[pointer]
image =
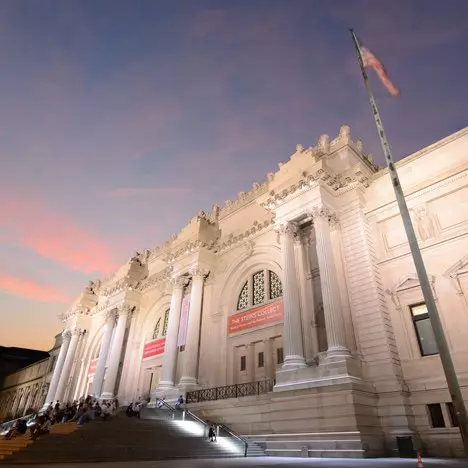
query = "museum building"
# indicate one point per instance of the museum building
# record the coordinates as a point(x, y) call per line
point(293, 314)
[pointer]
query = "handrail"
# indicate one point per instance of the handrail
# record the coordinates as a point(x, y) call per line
point(237, 436)
point(5, 427)
point(167, 405)
point(206, 424)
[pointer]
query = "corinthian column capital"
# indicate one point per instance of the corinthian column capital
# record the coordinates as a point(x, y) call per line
point(66, 335)
point(323, 212)
point(125, 309)
point(111, 315)
point(179, 282)
point(287, 229)
point(198, 272)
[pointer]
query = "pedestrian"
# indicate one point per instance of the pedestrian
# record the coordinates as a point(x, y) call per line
point(212, 433)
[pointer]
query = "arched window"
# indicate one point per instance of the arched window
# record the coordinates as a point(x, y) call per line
point(166, 322)
point(157, 332)
point(156, 329)
point(263, 286)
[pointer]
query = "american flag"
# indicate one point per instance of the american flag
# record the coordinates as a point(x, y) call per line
point(370, 60)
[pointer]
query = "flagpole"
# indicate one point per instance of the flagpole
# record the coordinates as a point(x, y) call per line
point(444, 352)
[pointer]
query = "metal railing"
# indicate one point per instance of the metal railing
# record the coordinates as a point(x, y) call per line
point(231, 391)
point(7, 425)
point(186, 412)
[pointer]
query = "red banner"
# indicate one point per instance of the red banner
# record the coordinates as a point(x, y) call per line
point(92, 366)
point(263, 315)
point(154, 348)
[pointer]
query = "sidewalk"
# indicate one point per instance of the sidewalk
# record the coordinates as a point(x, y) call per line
point(273, 462)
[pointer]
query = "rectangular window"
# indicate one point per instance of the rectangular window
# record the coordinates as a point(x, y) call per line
point(435, 415)
point(423, 329)
point(453, 414)
point(261, 359)
point(279, 355)
point(243, 363)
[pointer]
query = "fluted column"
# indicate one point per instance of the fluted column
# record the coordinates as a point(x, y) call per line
point(334, 323)
point(293, 344)
point(67, 365)
point(189, 371)
point(170, 346)
point(115, 353)
point(269, 362)
point(98, 378)
point(66, 336)
point(251, 362)
point(304, 274)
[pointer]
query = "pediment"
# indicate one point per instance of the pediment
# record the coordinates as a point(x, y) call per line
point(459, 269)
point(409, 282)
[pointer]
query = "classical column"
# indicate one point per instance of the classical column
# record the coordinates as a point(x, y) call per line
point(66, 336)
point(269, 362)
point(293, 346)
point(189, 371)
point(334, 323)
point(309, 330)
point(108, 388)
point(251, 362)
point(67, 365)
point(170, 347)
point(98, 378)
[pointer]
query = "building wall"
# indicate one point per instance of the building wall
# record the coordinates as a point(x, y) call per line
point(387, 382)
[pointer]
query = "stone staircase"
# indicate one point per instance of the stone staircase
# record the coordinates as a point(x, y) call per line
point(314, 445)
point(12, 446)
point(125, 439)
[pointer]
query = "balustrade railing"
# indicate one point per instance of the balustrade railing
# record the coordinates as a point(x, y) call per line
point(231, 391)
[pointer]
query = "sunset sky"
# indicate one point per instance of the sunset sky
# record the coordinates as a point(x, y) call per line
point(119, 120)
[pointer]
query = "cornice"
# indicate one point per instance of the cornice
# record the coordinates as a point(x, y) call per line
point(336, 182)
point(155, 280)
point(232, 240)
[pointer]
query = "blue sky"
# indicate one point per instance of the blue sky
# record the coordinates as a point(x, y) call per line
point(121, 119)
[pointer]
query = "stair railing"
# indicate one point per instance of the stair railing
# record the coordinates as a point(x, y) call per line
point(232, 433)
point(237, 436)
point(7, 425)
point(167, 406)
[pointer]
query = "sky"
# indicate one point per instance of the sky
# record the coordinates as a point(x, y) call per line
point(119, 120)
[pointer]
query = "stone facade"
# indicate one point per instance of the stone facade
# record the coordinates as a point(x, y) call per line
point(306, 279)
point(25, 390)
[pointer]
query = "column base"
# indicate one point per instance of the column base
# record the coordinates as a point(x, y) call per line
point(294, 362)
point(106, 396)
point(188, 384)
point(166, 391)
point(328, 372)
point(337, 353)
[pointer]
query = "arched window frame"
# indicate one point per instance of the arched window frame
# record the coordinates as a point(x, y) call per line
point(248, 296)
point(160, 329)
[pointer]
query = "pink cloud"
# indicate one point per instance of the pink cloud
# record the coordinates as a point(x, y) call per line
point(55, 236)
point(28, 289)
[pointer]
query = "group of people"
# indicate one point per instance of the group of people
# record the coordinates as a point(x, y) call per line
point(79, 411)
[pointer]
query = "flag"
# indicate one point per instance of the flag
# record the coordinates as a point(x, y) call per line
point(371, 61)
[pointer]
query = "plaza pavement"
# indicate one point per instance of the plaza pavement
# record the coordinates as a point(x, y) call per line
point(271, 462)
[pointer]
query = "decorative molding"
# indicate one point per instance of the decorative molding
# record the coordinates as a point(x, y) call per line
point(155, 280)
point(455, 272)
point(249, 248)
point(325, 213)
point(179, 282)
point(288, 229)
point(198, 272)
point(243, 198)
point(232, 240)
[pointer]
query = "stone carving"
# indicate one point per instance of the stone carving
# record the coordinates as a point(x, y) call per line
point(125, 309)
point(324, 143)
point(111, 314)
point(287, 229)
point(179, 282)
point(66, 335)
point(324, 212)
point(424, 222)
point(249, 247)
point(198, 272)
